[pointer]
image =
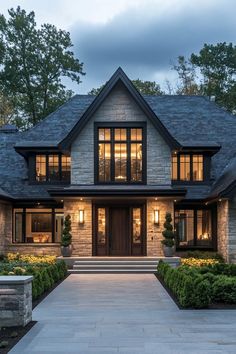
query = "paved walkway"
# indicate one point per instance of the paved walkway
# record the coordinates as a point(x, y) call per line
point(124, 313)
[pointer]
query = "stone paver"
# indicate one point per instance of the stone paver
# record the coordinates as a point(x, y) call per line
point(124, 313)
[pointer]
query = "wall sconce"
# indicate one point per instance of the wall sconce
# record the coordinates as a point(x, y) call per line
point(156, 217)
point(81, 216)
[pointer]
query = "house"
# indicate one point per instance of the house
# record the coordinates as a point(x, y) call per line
point(117, 163)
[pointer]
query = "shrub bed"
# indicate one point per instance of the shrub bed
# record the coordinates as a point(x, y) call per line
point(46, 270)
point(198, 287)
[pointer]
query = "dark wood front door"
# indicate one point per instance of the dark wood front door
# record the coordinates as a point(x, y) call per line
point(119, 232)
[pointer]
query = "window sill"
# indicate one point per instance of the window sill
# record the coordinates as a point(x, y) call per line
point(36, 244)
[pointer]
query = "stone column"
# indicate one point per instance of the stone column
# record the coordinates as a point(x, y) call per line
point(15, 300)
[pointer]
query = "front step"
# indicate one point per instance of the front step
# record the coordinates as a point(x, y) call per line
point(95, 265)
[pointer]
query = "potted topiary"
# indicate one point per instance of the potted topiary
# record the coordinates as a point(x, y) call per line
point(168, 242)
point(66, 247)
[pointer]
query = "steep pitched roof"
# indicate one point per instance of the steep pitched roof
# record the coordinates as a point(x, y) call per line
point(117, 77)
point(191, 120)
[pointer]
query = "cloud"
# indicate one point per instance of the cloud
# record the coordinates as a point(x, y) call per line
point(145, 40)
point(142, 36)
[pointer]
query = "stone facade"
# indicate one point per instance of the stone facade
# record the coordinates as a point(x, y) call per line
point(81, 233)
point(226, 229)
point(223, 228)
point(154, 232)
point(5, 225)
point(15, 300)
point(119, 106)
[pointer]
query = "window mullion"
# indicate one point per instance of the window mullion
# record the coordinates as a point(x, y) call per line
point(47, 167)
point(128, 157)
point(195, 227)
point(112, 177)
point(191, 167)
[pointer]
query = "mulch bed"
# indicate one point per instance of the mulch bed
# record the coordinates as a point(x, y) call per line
point(213, 306)
point(12, 335)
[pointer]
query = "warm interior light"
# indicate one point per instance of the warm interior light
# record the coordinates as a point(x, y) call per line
point(81, 216)
point(156, 216)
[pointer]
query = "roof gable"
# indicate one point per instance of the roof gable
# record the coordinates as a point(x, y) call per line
point(118, 76)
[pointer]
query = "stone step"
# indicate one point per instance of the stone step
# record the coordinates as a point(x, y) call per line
point(123, 259)
point(154, 263)
point(112, 271)
point(115, 266)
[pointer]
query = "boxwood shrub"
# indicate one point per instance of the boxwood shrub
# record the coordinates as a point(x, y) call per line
point(190, 288)
point(45, 275)
point(197, 287)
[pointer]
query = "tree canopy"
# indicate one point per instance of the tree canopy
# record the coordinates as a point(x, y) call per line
point(144, 87)
point(211, 72)
point(33, 62)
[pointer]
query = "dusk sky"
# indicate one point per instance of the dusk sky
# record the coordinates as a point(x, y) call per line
point(144, 37)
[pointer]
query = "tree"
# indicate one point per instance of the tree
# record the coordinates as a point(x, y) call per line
point(187, 77)
point(66, 233)
point(168, 233)
point(144, 87)
point(217, 64)
point(6, 110)
point(34, 61)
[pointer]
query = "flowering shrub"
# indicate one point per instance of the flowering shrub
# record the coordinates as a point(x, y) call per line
point(198, 262)
point(46, 270)
point(27, 258)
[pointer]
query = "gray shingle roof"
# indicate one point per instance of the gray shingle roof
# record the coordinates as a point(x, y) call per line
point(192, 120)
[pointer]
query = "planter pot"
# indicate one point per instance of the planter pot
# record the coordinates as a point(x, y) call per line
point(168, 251)
point(66, 251)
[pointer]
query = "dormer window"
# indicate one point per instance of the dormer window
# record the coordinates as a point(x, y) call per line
point(120, 154)
point(188, 167)
point(52, 168)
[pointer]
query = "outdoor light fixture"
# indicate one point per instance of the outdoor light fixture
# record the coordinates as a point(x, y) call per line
point(156, 216)
point(81, 216)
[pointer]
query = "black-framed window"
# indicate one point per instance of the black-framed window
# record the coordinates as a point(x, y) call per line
point(37, 225)
point(188, 167)
point(119, 154)
point(194, 228)
point(52, 168)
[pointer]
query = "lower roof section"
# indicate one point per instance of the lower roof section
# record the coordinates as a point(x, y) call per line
point(117, 190)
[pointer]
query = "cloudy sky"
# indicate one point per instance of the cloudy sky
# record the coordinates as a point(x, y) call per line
point(144, 37)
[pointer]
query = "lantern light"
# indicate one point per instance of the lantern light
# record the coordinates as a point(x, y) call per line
point(81, 216)
point(156, 216)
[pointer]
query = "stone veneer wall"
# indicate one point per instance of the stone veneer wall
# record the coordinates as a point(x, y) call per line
point(81, 233)
point(154, 232)
point(226, 220)
point(15, 300)
point(119, 106)
point(223, 228)
point(5, 225)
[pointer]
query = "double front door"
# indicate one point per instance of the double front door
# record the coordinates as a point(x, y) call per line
point(119, 231)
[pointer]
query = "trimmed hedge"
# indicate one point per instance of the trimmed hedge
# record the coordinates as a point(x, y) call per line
point(190, 288)
point(45, 274)
point(197, 287)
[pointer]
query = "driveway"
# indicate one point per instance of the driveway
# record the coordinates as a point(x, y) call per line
point(124, 313)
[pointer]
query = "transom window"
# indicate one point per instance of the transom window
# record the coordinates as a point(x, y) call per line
point(52, 168)
point(120, 155)
point(188, 167)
